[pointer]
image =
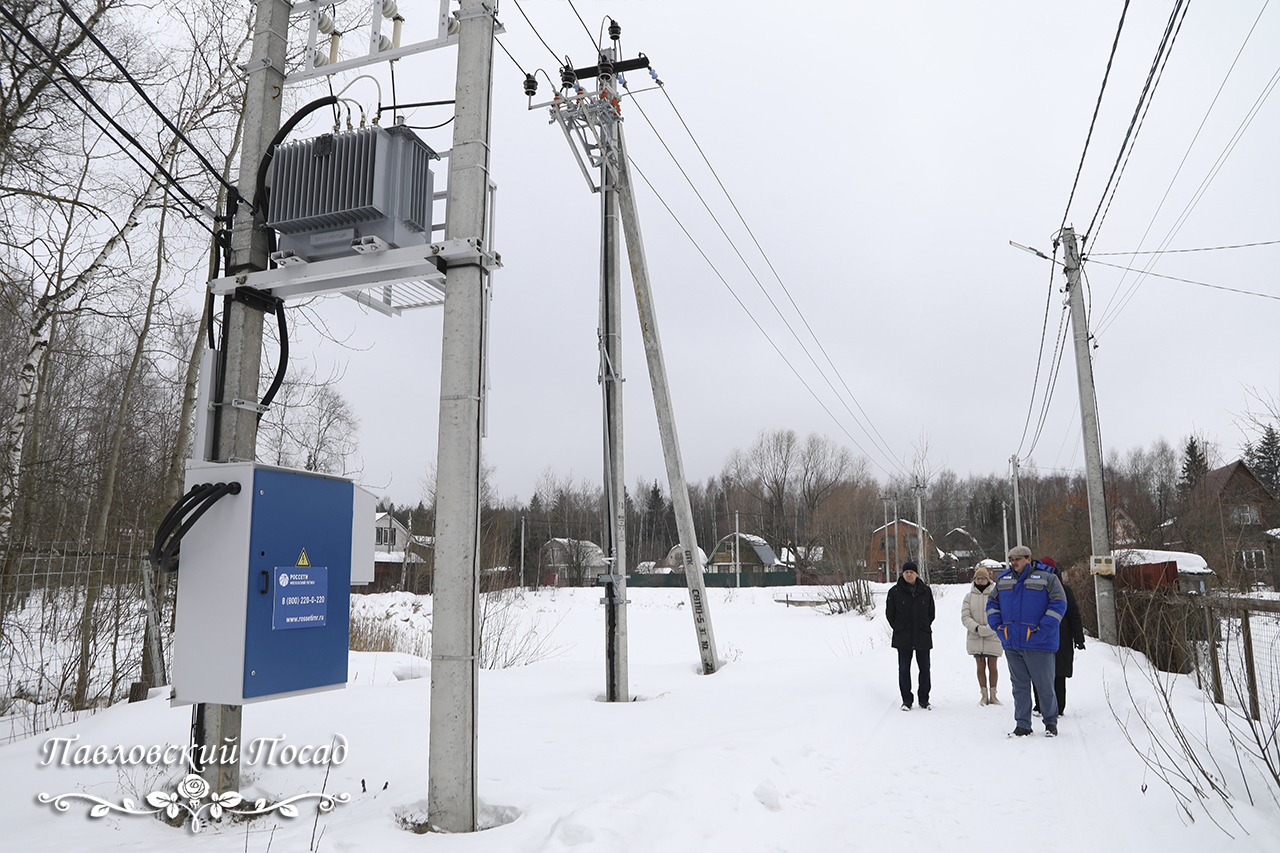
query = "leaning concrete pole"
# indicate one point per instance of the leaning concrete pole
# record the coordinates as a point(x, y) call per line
point(1103, 585)
point(665, 412)
point(455, 633)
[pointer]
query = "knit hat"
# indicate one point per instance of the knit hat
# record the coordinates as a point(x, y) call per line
point(1020, 551)
point(1048, 561)
point(910, 567)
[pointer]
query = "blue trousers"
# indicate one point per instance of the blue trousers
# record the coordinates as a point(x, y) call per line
point(1025, 667)
point(904, 674)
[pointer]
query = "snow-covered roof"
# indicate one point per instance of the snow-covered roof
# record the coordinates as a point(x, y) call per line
point(395, 557)
point(1274, 533)
point(890, 524)
point(991, 564)
point(1188, 563)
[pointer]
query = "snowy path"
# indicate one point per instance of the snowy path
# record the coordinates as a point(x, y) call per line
point(797, 744)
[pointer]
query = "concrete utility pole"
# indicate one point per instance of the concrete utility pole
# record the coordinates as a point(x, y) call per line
point(737, 555)
point(237, 431)
point(665, 411)
point(451, 766)
point(897, 542)
point(1103, 585)
point(615, 600)
point(1004, 527)
point(1017, 507)
point(924, 567)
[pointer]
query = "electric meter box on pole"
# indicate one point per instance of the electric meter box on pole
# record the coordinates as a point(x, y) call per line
point(264, 584)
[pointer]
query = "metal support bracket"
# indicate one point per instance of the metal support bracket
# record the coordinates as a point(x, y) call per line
point(389, 281)
point(247, 405)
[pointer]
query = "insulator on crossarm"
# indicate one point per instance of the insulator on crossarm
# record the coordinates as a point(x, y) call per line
point(325, 23)
point(321, 58)
point(530, 85)
point(606, 67)
point(615, 29)
point(567, 78)
point(389, 9)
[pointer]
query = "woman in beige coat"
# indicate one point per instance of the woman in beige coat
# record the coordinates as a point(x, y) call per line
point(982, 642)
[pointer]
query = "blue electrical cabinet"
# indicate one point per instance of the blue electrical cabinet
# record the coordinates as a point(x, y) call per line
point(264, 583)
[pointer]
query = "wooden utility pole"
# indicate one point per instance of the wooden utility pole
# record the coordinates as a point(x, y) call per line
point(1103, 586)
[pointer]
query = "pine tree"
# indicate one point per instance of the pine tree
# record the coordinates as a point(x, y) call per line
point(1194, 465)
point(1263, 458)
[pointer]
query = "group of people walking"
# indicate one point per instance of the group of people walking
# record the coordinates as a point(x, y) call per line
point(1019, 614)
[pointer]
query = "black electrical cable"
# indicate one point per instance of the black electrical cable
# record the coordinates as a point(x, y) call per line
point(168, 559)
point(1154, 75)
point(1096, 107)
point(165, 527)
point(159, 167)
point(1181, 251)
point(868, 428)
point(585, 28)
point(283, 363)
point(220, 372)
point(260, 184)
point(66, 7)
point(382, 110)
point(499, 43)
point(535, 29)
point(430, 127)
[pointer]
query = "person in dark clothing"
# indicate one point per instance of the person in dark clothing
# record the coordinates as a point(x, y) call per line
point(909, 609)
point(1071, 637)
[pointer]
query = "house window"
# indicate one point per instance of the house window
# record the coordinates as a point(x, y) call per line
point(1245, 514)
point(1254, 559)
point(385, 536)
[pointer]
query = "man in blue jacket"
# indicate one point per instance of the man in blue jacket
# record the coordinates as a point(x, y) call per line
point(1025, 608)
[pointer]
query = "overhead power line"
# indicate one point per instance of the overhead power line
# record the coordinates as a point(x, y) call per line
point(1154, 75)
point(66, 7)
point(1096, 107)
point(169, 184)
point(1044, 331)
point(881, 446)
point(559, 59)
point(786, 290)
point(1182, 251)
point(1192, 281)
point(754, 321)
point(1201, 190)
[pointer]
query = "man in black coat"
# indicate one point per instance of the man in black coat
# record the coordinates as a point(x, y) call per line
point(1070, 638)
point(909, 609)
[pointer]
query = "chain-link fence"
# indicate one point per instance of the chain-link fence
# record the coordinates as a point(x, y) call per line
point(74, 625)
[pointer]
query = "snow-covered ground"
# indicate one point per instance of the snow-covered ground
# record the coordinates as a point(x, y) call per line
point(797, 744)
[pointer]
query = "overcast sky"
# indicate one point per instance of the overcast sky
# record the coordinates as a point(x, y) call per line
point(884, 155)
